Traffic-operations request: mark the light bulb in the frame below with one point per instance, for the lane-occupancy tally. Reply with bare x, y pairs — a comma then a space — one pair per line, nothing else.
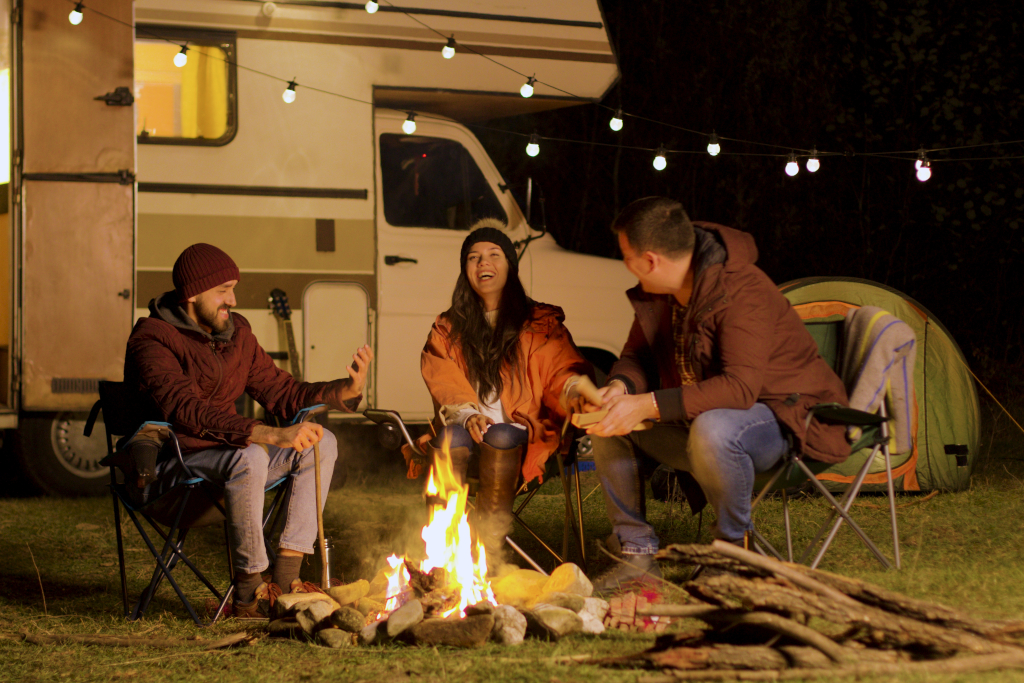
76, 15
371, 7
713, 147
533, 147
527, 89
616, 122
289, 93
409, 125
812, 162
659, 159
448, 51
181, 59
924, 170
792, 168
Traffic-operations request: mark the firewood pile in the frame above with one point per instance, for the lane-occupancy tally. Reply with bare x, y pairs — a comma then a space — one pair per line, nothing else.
770, 620
529, 604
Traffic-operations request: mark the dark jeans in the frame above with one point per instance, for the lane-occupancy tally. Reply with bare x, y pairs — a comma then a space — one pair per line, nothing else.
723, 450
500, 436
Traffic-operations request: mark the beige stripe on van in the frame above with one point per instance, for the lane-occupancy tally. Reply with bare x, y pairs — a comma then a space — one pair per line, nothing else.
257, 242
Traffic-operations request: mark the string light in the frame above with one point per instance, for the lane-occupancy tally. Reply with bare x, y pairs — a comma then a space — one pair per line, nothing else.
713, 147
527, 89
812, 162
792, 168
76, 15
659, 159
923, 166
181, 59
371, 7
448, 51
289, 93
616, 122
409, 125
533, 147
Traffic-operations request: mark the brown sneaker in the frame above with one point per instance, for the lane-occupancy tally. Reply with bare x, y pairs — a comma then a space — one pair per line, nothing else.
260, 606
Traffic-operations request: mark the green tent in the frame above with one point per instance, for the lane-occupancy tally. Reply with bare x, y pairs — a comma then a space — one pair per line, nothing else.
947, 418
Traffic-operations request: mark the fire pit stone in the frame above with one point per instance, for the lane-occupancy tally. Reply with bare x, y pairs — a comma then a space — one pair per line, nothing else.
509, 626
453, 632
348, 619
334, 638
404, 618
566, 600
290, 603
315, 615
548, 621
569, 578
519, 587
350, 593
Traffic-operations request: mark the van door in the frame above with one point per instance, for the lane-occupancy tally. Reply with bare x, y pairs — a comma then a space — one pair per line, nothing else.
77, 226
432, 189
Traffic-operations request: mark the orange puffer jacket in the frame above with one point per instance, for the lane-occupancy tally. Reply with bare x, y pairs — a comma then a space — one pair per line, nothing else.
551, 359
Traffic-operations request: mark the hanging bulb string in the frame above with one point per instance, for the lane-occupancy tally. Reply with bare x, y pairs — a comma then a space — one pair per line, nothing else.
903, 155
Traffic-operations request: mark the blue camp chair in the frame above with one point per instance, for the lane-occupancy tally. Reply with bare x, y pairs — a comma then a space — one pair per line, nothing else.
193, 502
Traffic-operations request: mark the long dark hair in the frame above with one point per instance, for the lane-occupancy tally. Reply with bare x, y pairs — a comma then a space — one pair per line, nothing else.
488, 349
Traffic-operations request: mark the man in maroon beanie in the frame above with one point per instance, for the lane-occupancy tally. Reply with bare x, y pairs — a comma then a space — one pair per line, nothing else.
188, 362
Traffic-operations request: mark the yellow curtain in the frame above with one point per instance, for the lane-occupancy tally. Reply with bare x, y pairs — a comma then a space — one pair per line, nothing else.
204, 94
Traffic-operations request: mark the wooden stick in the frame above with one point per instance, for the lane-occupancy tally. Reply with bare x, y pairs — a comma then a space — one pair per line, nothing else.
325, 578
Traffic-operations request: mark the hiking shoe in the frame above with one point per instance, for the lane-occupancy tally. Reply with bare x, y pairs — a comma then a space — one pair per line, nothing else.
628, 572
260, 606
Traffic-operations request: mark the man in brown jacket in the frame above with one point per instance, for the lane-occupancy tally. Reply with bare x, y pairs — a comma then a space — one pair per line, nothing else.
187, 363
719, 358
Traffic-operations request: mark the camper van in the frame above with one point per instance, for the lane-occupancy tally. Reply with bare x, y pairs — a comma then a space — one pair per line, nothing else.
282, 132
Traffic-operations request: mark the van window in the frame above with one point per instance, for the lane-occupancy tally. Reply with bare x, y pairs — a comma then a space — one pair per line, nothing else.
189, 105
433, 183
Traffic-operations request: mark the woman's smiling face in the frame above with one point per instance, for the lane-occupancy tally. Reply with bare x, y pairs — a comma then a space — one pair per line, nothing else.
487, 272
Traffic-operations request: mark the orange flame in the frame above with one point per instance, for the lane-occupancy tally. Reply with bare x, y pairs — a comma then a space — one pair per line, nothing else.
449, 544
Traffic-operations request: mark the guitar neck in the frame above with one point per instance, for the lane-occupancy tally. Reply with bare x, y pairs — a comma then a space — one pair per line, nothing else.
293, 353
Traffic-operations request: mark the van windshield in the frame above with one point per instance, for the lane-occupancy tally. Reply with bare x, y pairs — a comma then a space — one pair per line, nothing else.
433, 183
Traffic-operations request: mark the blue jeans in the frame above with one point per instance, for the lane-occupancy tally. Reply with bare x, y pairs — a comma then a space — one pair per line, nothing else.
244, 474
723, 450
502, 436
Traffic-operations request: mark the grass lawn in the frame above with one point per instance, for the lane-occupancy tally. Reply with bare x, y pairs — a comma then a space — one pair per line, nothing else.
965, 549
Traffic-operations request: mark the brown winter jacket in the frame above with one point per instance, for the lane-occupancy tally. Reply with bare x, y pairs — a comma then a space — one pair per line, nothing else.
745, 342
181, 374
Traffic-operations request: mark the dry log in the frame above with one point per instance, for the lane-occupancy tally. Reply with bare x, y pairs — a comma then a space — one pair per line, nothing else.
130, 641
799, 632
958, 665
720, 657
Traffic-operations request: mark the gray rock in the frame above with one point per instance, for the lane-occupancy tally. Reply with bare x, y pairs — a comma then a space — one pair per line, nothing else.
596, 607
314, 616
469, 632
375, 633
550, 622
591, 624
566, 600
290, 603
348, 619
482, 607
285, 628
334, 637
509, 626
404, 618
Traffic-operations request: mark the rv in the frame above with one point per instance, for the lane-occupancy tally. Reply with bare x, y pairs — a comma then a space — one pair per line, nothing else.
282, 133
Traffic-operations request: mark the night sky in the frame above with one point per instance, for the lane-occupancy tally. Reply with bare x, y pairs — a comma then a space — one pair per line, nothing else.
850, 77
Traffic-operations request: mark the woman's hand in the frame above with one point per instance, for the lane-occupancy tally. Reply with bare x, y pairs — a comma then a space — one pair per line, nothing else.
477, 426
615, 388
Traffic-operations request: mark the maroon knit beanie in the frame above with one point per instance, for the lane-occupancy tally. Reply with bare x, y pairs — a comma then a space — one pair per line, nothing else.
202, 267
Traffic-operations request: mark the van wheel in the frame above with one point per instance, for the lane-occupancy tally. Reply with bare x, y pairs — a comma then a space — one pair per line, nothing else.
58, 457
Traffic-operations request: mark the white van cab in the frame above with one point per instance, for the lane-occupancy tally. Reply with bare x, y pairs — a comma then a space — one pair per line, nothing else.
284, 140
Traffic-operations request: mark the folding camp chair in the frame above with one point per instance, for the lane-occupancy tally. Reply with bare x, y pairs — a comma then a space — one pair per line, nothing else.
394, 431
192, 503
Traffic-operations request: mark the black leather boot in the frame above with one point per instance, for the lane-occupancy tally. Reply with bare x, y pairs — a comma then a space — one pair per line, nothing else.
499, 475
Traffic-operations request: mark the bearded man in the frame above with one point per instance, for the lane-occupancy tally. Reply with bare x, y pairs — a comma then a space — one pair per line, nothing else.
187, 364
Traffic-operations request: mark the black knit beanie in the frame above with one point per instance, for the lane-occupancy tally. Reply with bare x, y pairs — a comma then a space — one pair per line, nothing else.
494, 236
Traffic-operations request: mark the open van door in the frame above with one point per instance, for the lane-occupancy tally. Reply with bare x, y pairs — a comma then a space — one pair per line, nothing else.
74, 196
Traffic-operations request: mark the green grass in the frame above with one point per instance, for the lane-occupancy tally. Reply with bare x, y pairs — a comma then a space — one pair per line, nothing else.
965, 549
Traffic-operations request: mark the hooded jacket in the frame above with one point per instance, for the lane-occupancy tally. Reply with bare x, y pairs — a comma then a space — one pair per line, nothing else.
745, 343
186, 376
551, 358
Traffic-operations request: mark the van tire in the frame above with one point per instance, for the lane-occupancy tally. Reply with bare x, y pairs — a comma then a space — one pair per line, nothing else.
58, 458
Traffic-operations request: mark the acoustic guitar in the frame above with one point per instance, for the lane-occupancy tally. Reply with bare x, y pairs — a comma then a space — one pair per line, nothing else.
283, 312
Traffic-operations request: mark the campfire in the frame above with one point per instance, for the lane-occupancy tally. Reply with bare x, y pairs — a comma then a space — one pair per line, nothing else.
453, 576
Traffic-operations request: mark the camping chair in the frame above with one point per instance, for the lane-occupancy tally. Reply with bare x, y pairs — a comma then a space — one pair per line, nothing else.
188, 505
393, 431
794, 469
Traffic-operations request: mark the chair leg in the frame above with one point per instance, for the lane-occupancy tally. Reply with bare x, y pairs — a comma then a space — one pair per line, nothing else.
120, 548
579, 514
785, 519
762, 541
558, 558
892, 507
843, 513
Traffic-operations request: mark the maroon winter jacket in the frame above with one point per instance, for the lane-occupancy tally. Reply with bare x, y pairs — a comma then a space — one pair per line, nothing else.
745, 342
183, 375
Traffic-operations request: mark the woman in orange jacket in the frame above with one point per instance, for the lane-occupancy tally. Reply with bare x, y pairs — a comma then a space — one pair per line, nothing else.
502, 371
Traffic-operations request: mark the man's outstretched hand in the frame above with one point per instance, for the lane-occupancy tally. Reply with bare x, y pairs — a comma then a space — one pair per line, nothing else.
356, 374
299, 436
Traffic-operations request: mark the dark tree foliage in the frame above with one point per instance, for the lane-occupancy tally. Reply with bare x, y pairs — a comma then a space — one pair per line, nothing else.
855, 77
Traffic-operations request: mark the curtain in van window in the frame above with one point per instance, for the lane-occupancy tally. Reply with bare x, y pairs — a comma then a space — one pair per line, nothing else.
204, 93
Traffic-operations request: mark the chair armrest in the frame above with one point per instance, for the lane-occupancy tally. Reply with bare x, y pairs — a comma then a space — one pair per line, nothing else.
308, 413
391, 418
90, 422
